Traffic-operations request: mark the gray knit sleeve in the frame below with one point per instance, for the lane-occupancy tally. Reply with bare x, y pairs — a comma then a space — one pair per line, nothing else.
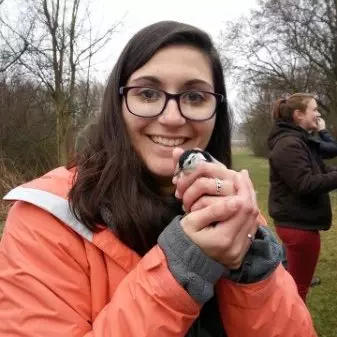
262, 258
192, 268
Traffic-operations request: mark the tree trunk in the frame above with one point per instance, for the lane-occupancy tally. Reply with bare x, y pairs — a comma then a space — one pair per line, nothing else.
62, 126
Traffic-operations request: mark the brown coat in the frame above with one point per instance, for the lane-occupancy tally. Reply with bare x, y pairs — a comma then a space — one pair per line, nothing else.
299, 180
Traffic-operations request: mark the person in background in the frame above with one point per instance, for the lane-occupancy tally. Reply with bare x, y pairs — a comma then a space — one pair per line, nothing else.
299, 185
327, 149
103, 247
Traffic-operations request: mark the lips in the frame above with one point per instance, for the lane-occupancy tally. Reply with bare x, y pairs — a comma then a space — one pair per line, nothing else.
168, 141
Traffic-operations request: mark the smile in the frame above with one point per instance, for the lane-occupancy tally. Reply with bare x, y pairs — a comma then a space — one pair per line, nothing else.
171, 142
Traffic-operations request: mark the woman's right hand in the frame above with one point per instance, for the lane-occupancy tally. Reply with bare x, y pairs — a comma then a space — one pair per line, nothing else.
320, 124
222, 229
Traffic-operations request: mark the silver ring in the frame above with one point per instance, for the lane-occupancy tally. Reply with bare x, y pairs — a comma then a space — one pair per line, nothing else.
218, 186
251, 237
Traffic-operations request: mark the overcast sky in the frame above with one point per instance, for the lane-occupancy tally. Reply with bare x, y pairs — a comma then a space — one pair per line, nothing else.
209, 15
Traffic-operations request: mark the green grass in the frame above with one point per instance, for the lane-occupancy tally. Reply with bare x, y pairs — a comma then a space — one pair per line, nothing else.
322, 300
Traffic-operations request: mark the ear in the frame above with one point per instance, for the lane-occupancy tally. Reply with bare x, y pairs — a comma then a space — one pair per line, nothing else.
298, 115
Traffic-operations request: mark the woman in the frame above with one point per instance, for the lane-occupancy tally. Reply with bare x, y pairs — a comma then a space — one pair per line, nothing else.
124, 260
299, 184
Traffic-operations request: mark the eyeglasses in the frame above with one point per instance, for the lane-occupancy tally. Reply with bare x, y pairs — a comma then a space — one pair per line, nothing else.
194, 105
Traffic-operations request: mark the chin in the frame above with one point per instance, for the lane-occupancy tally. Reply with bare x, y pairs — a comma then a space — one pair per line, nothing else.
162, 173
161, 168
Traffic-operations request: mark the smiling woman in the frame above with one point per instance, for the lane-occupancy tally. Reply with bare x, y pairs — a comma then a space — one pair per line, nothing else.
175, 69
105, 248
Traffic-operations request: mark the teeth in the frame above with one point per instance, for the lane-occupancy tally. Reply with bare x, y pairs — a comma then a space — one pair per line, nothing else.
168, 141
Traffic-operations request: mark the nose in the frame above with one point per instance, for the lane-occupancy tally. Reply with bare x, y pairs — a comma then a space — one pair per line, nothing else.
171, 114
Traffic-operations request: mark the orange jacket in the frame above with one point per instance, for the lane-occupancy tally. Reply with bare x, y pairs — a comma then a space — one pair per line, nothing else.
59, 279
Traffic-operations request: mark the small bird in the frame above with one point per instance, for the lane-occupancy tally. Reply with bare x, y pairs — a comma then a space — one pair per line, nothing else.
190, 159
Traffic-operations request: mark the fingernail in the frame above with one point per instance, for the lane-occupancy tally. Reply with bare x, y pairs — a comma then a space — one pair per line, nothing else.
245, 172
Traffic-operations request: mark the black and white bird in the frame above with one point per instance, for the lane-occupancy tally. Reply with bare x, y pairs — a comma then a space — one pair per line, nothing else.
190, 159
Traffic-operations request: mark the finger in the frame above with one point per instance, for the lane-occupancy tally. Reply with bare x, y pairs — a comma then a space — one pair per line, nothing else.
250, 186
176, 153
246, 191
207, 200
206, 186
215, 212
238, 242
204, 169
248, 214
232, 233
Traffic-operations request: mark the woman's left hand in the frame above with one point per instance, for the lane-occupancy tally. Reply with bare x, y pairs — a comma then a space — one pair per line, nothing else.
229, 241
198, 188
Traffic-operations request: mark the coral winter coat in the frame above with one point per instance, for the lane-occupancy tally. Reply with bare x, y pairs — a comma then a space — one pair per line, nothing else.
59, 279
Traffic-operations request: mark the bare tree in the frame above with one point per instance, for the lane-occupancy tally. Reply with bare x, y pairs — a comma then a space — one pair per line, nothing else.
59, 44
292, 42
12, 47
256, 118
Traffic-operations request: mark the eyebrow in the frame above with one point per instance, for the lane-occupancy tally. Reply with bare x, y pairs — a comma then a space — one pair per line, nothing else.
152, 79
156, 81
198, 81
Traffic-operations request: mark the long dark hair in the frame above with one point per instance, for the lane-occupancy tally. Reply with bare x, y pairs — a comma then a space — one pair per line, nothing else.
109, 173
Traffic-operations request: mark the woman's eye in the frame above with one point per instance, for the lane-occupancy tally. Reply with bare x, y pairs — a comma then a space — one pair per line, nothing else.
149, 94
193, 97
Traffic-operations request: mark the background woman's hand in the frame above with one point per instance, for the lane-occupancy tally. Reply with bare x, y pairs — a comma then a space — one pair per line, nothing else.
320, 124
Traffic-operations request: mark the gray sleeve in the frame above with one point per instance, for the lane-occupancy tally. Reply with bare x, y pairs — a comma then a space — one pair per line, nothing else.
198, 273
192, 268
262, 258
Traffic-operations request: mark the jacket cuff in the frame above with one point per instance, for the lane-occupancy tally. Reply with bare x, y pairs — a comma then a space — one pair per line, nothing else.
262, 258
192, 268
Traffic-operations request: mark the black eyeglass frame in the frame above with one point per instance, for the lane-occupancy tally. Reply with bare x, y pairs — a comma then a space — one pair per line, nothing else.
123, 91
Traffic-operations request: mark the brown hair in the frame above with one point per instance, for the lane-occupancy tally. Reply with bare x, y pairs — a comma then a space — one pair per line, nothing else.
284, 107
110, 174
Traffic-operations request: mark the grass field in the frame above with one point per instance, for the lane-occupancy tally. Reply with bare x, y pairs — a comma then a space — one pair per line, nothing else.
322, 300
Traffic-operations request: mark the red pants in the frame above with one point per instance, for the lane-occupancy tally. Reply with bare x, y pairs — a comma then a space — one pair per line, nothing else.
303, 247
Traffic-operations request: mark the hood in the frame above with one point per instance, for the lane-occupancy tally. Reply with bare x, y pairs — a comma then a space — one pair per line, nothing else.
282, 129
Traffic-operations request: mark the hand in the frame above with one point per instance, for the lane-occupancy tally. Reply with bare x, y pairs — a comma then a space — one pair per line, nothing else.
320, 124
235, 212
227, 242
198, 188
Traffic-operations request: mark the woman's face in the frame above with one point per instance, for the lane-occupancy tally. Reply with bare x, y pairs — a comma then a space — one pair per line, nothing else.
173, 69
308, 119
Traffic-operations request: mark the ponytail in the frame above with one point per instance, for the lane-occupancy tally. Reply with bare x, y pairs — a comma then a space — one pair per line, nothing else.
276, 113
284, 108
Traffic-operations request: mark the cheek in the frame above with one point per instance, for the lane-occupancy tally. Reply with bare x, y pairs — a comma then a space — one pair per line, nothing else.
133, 123
205, 132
